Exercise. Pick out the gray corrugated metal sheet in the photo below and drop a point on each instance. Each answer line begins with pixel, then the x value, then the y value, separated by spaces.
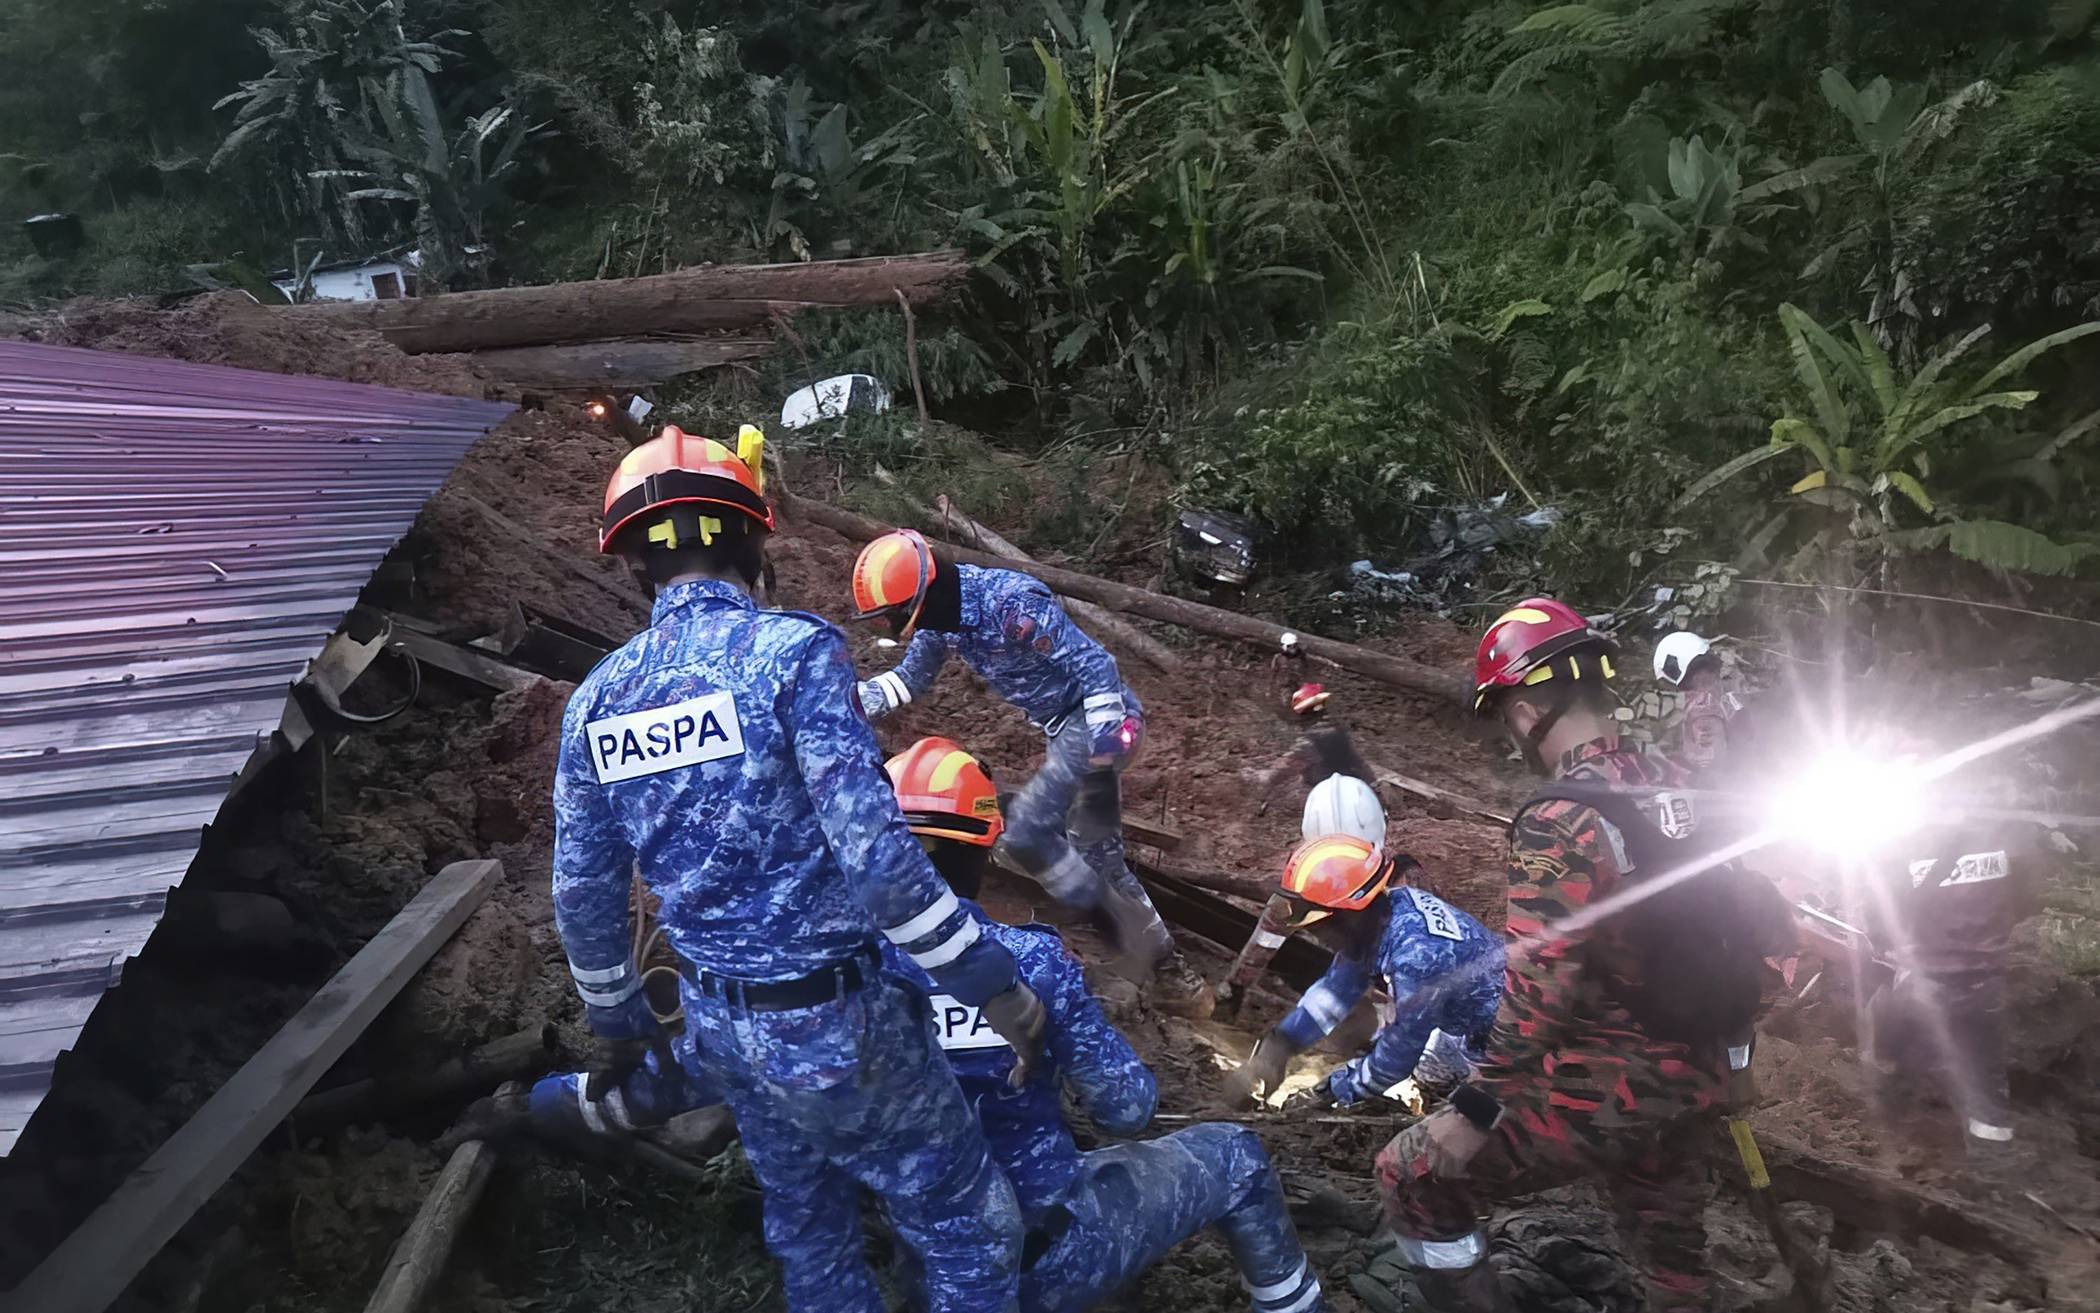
pixel 176 543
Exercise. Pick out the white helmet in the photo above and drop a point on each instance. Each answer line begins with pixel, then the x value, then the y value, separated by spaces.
pixel 1344 804
pixel 1676 653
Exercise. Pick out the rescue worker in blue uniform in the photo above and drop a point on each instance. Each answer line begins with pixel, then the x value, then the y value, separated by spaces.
pixel 1009 629
pixel 1098 1220
pixel 722 753
pixel 1443 970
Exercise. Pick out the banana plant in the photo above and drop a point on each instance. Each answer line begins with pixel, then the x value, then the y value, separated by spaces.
pixel 1872 439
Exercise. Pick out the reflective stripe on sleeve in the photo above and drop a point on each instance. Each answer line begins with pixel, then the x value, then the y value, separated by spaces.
pixel 1268 939
pixel 606 987
pixel 926 922
pixel 949 949
pixel 1324 1008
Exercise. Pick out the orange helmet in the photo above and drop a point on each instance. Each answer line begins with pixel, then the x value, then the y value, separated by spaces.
pixel 890 579
pixel 1338 871
pixel 673 469
pixel 945 794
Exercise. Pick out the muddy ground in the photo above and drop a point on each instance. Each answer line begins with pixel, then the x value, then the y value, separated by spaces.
pixel 308 1222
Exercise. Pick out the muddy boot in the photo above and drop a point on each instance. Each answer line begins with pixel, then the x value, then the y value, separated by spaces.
pixel 1179 992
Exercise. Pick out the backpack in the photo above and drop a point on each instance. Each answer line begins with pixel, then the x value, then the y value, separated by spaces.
pixel 1701 943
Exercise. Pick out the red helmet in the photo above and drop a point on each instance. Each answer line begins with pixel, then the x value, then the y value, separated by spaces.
pixel 673 469
pixel 1522 645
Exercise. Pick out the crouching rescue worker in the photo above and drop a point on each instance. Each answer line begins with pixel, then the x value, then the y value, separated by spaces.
pixel 1009 629
pixel 1607 1059
pixel 722 753
pixel 1442 969
pixel 1096 1221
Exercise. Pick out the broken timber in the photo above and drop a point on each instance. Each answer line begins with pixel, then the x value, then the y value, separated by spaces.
pixel 1298 961
pixel 702 300
pixel 420 1255
pixel 630 364
pixel 1097 619
pixel 92 1266
pixel 1397 671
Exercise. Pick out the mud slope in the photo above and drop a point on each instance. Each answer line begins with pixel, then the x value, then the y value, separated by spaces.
pixel 308 1223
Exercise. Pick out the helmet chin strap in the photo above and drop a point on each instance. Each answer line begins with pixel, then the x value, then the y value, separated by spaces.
pixel 1533 744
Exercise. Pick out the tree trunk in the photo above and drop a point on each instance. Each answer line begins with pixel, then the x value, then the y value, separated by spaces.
pixel 632 364
pixel 1397 671
pixel 690 301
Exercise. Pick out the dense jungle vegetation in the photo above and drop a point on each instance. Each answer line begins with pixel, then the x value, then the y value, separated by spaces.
pixel 1775 285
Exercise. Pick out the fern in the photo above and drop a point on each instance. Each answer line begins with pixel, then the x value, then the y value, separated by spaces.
pixel 1587 34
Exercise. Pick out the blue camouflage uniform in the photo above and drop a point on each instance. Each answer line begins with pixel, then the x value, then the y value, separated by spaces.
pixel 722 753
pixel 1099 1220
pixel 1020 641
pixel 1444 971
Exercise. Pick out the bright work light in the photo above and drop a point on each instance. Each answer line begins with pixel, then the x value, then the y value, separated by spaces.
pixel 1847 804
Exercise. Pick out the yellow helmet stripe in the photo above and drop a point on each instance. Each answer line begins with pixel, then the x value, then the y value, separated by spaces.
pixel 876 567
pixel 947 769
pixel 1530 615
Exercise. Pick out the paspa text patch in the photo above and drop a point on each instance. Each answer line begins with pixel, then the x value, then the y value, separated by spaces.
pixel 665 738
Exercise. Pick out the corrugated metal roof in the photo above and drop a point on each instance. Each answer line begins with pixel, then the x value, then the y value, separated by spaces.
pixel 176 543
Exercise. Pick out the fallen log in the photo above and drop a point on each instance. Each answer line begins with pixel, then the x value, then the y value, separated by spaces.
pixel 1397 671
pixel 90 1268
pixel 704 300
pixel 419 1257
pixel 1870 1201
pixel 1139 644
pixel 530 1052
pixel 1459 803
pixel 1098 620
pixel 630 364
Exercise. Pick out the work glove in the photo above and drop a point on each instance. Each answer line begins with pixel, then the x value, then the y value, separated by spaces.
pixel 1111 730
pixel 874 699
pixel 1262 1071
pixel 1017 1015
pixel 623 1035
pixel 1314 1098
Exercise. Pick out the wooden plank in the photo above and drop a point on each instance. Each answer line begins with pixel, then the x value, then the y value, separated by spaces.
pixel 1156 834
pixel 1299 961
pixel 628 364
pixel 463 661
pixel 419 1257
pixel 91 1267
pixel 1400 672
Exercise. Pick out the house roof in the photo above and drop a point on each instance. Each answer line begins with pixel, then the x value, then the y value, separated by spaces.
pixel 177 541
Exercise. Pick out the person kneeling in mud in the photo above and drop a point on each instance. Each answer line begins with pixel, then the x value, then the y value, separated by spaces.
pixel 1443 968
pixel 1095 1221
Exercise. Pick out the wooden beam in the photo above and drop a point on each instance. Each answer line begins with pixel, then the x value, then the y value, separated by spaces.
pixel 704 300
pixel 1124 634
pixel 1397 671
pixel 462 661
pixel 1459 803
pixel 92 1266
pixel 627 364
pixel 419 1257
pixel 1157 834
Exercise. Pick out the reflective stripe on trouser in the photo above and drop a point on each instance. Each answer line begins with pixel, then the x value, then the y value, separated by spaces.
pixel 1655 1176
pixel 1070 791
pixel 1134 1202
pixel 853 1094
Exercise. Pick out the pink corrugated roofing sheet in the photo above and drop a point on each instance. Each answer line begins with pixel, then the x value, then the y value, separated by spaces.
pixel 177 541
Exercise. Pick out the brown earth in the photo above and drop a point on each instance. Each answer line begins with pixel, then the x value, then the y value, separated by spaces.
pixel 307 1224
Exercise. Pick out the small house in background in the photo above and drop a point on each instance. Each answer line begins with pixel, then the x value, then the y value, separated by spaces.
pixel 370 278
